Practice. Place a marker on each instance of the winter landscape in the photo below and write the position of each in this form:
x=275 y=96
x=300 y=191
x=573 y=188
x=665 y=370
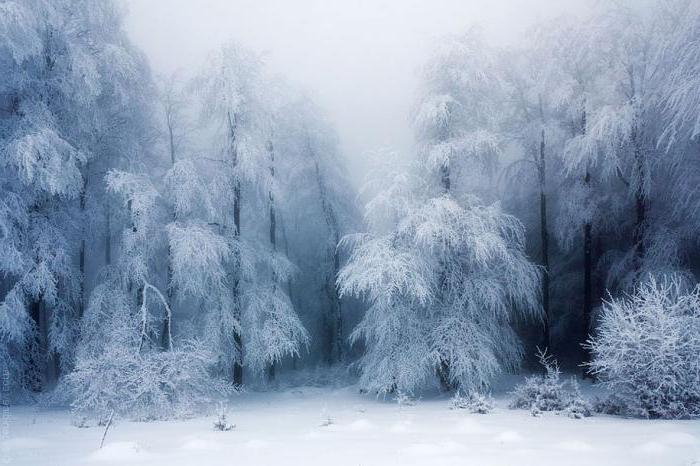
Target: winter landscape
x=350 y=232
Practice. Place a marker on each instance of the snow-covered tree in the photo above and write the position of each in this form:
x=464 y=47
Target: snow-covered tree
x=313 y=220
x=239 y=110
x=444 y=281
x=456 y=114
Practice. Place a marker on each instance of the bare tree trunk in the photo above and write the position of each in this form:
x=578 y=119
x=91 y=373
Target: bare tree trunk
x=443 y=370
x=290 y=290
x=333 y=321
x=83 y=203
x=544 y=237
x=35 y=348
x=238 y=341
x=445 y=178
x=587 y=268
x=108 y=235
x=170 y=290
x=640 y=205
x=587 y=289
x=640 y=186
x=273 y=232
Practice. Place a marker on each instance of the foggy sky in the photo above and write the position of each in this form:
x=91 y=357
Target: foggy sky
x=358 y=58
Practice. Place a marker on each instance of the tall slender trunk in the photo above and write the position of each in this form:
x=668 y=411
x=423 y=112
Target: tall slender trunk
x=290 y=291
x=273 y=232
x=166 y=329
x=108 y=234
x=640 y=210
x=640 y=205
x=236 y=282
x=35 y=347
x=443 y=370
x=544 y=238
x=639 y=170
x=83 y=203
x=587 y=267
x=140 y=286
x=445 y=178
x=333 y=320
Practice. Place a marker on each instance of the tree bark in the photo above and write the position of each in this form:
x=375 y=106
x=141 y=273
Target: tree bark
x=81 y=259
x=273 y=232
x=640 y=205
x=443 y=370
x=445 y=178
x=108 y=235
x=333 y=321
x=544 y=238
x=587 y=268
x=238 y=341
x=170 y=290
x=35 y=349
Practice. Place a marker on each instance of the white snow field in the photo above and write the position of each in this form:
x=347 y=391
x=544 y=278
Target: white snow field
x=288 y=428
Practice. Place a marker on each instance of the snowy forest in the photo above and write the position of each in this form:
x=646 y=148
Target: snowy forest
x=185 y=247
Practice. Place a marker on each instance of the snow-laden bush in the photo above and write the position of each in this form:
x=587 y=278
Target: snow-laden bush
x=221 y=423
x=474 y=402
x=547 y=392
x=153 y=385
x=647 y=350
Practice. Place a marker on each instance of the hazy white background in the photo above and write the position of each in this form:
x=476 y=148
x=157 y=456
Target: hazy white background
x=358 y=58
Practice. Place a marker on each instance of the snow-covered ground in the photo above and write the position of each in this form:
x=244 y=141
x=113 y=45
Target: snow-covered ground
x=283 y=428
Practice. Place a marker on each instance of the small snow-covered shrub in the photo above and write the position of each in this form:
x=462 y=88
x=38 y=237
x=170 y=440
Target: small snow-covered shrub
x=576 y=406
x=404 y=399
x=646 y=350
x=474 y=402
x=153 y=385
x=221 y=423
x=548 y=392
x=326 y=418
x=612 y=405
x=79 y=420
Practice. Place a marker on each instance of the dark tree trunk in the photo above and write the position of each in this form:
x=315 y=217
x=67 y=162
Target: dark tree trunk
x=544 y=237
x=639 y=170
x=587 y=288
x=236 y=282
x=238 y=341
x=273 y=233
x=640 y=205
x=290 y=291
x=587 y=268
x=445 y=178
x=166 y=343
x=81 y=259
x=35 y=373
x=443 y=370
x=333 y=320
x=108 y=235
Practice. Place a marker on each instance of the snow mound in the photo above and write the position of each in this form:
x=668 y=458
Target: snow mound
x=574 y=445
x=469 y=426
x=401 y=427
x=509 y=436
x=198 y=443
x=119 y=452
x=680 y=439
